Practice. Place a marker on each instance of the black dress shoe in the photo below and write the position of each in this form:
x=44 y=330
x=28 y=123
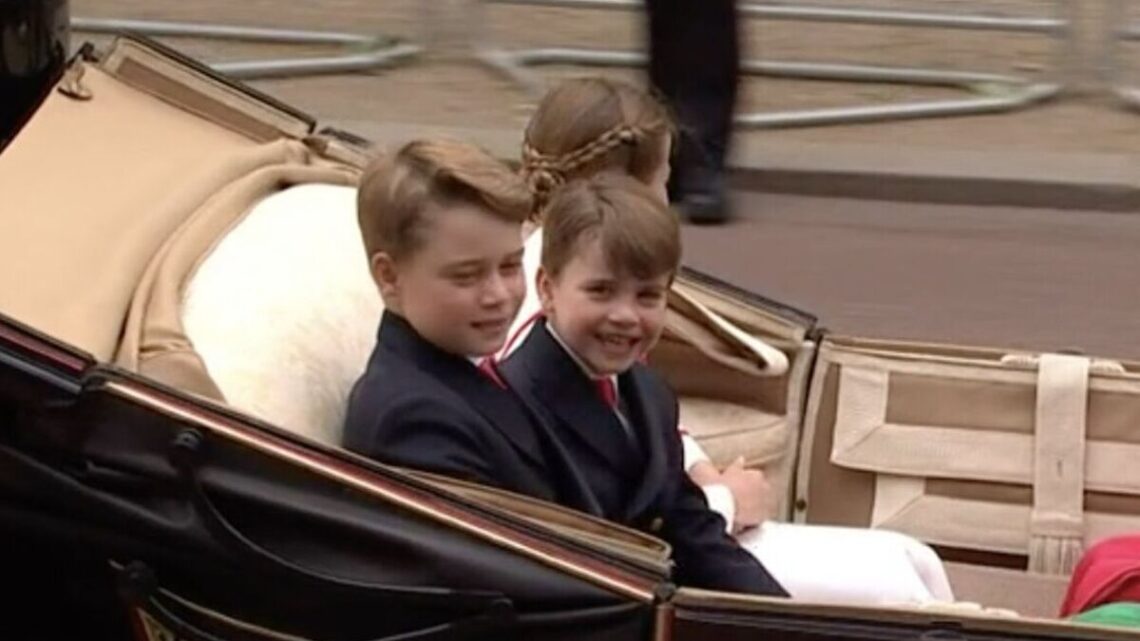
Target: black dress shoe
x=704 y=197
x=705 y=209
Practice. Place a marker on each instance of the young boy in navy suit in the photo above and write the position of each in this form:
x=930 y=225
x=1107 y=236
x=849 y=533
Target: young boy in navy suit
x=441 y=223
x=609 y=254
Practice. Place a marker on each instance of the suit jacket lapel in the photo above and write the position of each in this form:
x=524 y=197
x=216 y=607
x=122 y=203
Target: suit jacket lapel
x=561 y=386
x=651 y=421
x=574 y=491
x=501 y=409
x=498 y=406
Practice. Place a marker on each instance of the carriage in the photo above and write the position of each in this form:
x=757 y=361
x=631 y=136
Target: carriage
x=185 y=304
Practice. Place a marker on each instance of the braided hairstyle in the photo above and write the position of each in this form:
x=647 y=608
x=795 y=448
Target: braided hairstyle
x=584 y=126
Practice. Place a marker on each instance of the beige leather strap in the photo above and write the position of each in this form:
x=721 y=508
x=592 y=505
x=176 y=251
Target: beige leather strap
x=1057 y=521
x=769 y=361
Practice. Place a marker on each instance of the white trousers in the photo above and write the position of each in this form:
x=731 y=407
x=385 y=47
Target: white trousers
x=852 y=566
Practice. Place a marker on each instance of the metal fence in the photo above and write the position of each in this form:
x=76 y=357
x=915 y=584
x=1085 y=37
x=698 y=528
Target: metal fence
x=361 y=52
x=988 y=92
x=983 y=92
x=1122 y=29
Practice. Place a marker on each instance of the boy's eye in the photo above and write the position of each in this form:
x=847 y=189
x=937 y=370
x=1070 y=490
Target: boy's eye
x=651 y=296
x=511 y=267
x=599 y=289
x=464 y=278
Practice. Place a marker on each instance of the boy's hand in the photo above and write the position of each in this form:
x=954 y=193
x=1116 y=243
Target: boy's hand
x=751 y=492
x=704 y=473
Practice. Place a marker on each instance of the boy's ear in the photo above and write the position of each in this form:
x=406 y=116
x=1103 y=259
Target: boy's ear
x=544 y=287
x=386 y=276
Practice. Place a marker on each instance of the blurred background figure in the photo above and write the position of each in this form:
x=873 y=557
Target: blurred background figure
x=694 y=61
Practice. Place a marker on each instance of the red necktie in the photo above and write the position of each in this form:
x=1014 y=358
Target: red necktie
x=608 y=392
x=487 y=367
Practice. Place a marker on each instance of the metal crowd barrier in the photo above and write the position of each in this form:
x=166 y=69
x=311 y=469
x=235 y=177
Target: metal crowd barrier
x=1121 y=74
x=363 y=52
x=992 y=92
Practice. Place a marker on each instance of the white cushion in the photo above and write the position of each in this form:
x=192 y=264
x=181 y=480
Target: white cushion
x=283 y=310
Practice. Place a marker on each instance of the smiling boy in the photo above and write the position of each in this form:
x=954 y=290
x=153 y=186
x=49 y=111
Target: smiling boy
x=610 y=252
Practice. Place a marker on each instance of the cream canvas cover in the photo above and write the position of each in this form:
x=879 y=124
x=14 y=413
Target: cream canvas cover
x=63 y=187
x=1012 y=460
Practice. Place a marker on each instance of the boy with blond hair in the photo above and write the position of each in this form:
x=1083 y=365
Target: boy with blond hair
x=610 y=251
x=441 y=223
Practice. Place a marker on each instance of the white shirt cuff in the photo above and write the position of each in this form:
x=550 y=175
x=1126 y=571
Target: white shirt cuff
x=692 y=451
x=720 y=500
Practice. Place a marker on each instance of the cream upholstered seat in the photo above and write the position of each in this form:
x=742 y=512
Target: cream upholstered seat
x=283 y=310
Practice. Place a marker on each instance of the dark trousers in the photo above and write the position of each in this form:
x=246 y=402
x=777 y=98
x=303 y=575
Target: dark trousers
x=694 y=61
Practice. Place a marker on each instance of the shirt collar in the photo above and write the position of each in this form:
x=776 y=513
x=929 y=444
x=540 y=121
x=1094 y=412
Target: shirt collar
x=578 y=361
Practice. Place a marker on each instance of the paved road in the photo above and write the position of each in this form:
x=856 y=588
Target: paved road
x=1006 y=277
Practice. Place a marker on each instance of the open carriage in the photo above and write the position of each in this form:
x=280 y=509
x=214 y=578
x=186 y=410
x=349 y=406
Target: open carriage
x=185 y=305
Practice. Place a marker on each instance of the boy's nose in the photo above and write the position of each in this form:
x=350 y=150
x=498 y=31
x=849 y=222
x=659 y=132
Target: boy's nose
x=495 y=291
x=623 y=313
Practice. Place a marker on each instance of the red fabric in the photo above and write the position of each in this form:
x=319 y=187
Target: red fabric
x=1109 y=572
x=520 y=331
x=608 y=392
x=487 y=366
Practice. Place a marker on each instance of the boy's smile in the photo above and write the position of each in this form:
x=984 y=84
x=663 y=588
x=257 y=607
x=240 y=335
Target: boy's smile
x=464 y=286
x=609 y=320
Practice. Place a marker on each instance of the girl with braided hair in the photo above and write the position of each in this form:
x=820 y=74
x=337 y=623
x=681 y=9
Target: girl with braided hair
x=588 y=126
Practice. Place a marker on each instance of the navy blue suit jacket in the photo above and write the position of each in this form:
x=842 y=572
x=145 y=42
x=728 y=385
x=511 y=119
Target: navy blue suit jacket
x=419 y=407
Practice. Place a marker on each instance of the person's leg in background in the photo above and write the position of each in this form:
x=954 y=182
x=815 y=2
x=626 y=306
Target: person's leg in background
x=694 y=61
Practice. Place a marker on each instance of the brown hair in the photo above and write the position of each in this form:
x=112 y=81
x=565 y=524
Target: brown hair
x=588 y=124
x=639 y=235
x=396 y=189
